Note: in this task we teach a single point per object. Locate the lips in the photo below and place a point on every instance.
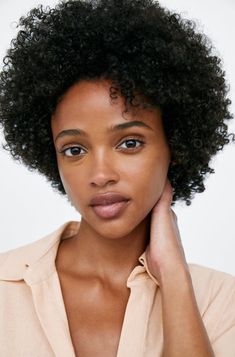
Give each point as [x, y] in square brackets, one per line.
[107, 199]
[109, 205]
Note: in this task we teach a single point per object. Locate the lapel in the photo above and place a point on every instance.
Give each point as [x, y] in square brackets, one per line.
[35, 265]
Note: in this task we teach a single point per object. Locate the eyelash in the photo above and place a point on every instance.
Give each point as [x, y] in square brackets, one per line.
[63, 152]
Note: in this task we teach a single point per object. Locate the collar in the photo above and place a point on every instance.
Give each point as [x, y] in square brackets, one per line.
[36, 261]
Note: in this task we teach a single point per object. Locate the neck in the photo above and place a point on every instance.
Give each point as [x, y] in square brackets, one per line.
[89, 254]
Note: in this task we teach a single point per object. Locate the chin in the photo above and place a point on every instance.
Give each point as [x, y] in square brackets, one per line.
[115, 228]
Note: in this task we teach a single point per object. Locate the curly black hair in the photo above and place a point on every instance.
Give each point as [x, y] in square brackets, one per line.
[143, 49]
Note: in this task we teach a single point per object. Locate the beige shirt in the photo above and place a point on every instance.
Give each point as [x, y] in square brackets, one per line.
[33, 320]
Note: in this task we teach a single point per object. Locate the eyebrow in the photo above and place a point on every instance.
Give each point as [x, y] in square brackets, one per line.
[114, 128]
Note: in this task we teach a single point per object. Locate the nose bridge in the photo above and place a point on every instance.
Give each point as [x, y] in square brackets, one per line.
[102, 167]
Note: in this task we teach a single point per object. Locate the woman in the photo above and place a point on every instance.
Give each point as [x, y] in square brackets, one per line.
[121, 105]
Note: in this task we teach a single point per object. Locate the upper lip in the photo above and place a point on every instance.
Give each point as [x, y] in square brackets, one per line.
[107, 198]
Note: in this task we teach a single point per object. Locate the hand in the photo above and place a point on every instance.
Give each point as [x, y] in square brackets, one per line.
[165, 253]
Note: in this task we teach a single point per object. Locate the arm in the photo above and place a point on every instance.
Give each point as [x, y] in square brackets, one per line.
[183, 329]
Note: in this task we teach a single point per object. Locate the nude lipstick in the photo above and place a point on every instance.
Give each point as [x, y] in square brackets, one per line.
[109, 204]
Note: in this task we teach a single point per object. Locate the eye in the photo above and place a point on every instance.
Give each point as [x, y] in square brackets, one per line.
[72, 151]
[131, 143]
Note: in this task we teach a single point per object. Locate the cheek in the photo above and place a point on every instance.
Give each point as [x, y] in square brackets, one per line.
[72, 184]
[151, 180]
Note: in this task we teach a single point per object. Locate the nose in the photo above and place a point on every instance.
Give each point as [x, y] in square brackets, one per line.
[103, 170]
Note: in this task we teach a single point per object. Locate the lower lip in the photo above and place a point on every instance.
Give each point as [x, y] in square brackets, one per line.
[110, 211]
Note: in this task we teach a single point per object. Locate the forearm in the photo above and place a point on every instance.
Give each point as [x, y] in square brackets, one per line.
[183, 329]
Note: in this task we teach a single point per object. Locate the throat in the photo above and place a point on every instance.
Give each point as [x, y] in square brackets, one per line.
[87, 254]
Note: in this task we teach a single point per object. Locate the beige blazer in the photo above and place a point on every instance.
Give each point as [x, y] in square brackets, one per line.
[33, 320]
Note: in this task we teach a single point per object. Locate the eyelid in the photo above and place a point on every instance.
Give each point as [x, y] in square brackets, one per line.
[134, 137]
[72, 142]
[69, 146]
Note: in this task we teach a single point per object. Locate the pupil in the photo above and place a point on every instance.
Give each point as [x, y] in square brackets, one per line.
[75, 151]
[132, 143]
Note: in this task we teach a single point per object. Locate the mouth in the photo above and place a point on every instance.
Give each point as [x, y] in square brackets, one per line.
[111, 210]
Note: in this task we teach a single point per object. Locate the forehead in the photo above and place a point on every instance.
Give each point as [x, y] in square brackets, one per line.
[88, 103]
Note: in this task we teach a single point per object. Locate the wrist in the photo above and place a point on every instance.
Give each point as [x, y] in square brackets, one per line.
[173, 276]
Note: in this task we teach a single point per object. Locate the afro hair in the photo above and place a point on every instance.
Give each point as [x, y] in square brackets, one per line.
[143, 49]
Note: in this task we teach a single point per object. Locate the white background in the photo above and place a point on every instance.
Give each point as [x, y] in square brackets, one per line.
[29, 209]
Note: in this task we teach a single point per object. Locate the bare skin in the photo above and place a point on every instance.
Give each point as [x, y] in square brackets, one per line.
[95, 312]
[94, 265]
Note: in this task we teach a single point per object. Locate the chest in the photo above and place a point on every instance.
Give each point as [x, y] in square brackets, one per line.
[95, 316]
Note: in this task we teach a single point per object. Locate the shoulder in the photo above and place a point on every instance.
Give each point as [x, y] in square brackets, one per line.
[213, 288]
[209, 277]
[215, 295]
[14, 262]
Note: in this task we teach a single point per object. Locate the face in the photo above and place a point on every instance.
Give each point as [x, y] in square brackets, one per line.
[101, 150]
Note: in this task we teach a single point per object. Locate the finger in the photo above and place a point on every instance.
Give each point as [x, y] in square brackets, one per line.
[166, 197]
